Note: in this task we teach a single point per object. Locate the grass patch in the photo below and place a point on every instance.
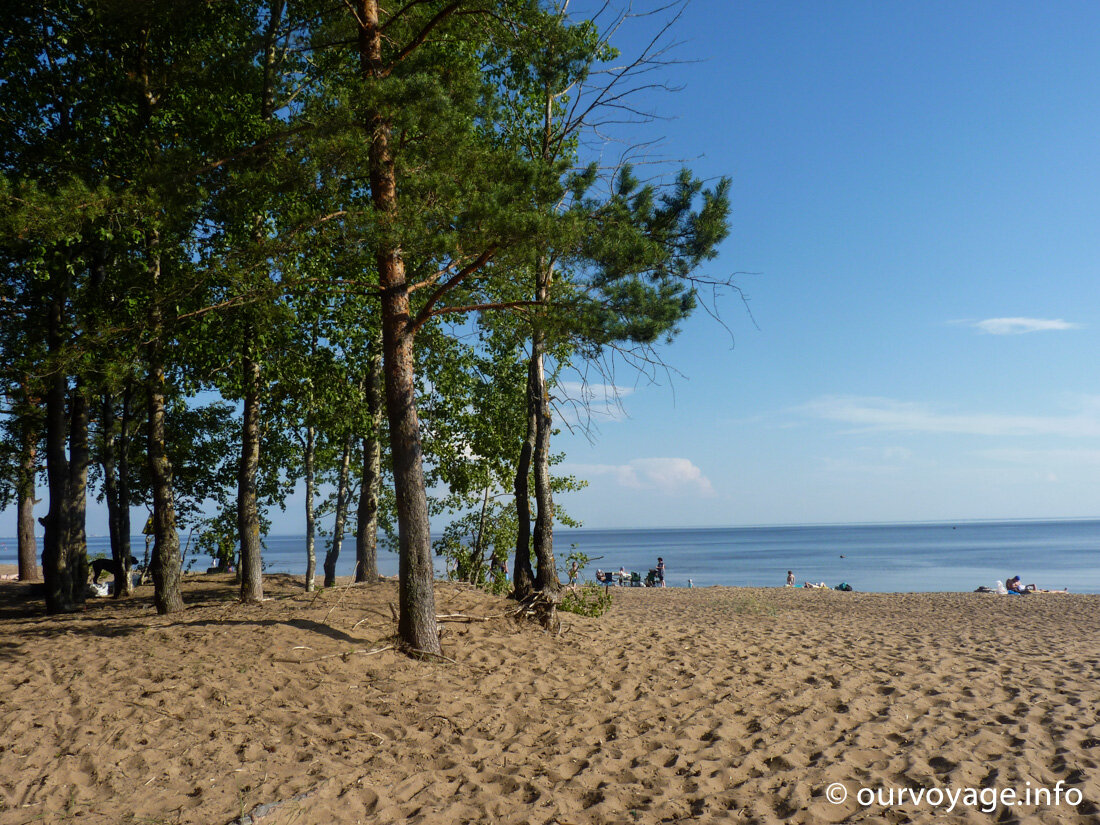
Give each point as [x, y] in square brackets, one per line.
[590, 599]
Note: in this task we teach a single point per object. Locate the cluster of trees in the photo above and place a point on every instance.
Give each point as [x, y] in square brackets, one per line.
[249, 243]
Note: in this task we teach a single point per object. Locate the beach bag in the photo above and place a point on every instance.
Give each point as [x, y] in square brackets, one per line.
[1001, 589]
[843, 586]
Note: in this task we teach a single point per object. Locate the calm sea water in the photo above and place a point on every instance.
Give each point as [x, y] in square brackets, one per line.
[889, 558]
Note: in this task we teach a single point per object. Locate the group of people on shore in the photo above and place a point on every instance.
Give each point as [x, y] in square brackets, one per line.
[1013, 586]
[656, 577]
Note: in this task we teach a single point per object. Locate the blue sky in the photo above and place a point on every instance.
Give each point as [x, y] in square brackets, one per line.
[915, 187]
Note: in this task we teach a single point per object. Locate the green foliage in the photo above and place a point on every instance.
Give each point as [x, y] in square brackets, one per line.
[218, 539]
[590, 599]
[477, 544]
[577, 556]
[194, 177]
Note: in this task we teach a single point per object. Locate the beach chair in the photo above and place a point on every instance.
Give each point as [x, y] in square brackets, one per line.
[651, 578]
[635, 579]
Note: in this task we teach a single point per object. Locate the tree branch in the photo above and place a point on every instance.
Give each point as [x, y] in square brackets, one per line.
[451, 283]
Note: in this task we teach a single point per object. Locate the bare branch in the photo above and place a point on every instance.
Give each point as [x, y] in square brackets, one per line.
[451, 284]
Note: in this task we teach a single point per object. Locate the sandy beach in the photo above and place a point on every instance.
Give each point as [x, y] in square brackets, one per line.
[705, 705]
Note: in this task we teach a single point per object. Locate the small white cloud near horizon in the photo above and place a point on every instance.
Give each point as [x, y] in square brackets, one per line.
[1053, 457]
[889, 415]
[1021, 326]
[671, 476]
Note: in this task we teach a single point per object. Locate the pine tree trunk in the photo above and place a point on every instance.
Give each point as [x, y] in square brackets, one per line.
[366, 534]
[122, 515]
[28, 547]
[416, 626]
[166, 542]
[342, 496]
[61, 587]
[248, 517]
[76, 542]
[311, 520]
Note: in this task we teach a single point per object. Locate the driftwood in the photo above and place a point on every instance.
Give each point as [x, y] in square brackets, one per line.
[343, 655]
[261, 812]
[462, 617]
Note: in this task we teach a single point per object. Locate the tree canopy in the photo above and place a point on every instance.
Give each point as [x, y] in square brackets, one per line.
[367, 231]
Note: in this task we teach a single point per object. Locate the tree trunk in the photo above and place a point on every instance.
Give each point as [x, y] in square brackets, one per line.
[366, 534]
[523, 579]
[28, 547]
[63, 593]
[166, 541]
[122, 516]
[250, 566]
[546, 577]
[248, 516]
[416, 626]
[76, 543]
[478, 560]
[108, 458]
[311, 520]
[116, 505]
[342, 496]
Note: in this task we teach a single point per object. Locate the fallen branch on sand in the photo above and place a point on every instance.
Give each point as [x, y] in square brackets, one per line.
[345, 654]
[462, 617]
[265, 810]
[343, 593]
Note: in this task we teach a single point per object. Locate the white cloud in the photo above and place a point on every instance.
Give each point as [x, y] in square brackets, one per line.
[887, 415]
[1019, 326]
[1061, 458]
[579, 402]
[671, 476]
[585, 391]
[897, 454]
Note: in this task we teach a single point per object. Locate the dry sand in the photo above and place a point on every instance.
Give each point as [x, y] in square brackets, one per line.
[708, 705]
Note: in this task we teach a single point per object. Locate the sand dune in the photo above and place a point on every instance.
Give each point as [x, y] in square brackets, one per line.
[708, 705]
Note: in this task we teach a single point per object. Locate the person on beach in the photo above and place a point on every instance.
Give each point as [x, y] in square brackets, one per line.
[573, 568]
[1014, 586]
[660, 571]
[622, 576]
[790, 578]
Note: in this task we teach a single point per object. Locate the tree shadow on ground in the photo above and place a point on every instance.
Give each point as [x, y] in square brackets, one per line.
[24, 621]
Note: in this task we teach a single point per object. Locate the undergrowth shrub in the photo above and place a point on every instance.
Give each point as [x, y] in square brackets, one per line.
[590, 599]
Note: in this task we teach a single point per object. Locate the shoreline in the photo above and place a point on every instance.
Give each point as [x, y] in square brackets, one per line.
[10, 570]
